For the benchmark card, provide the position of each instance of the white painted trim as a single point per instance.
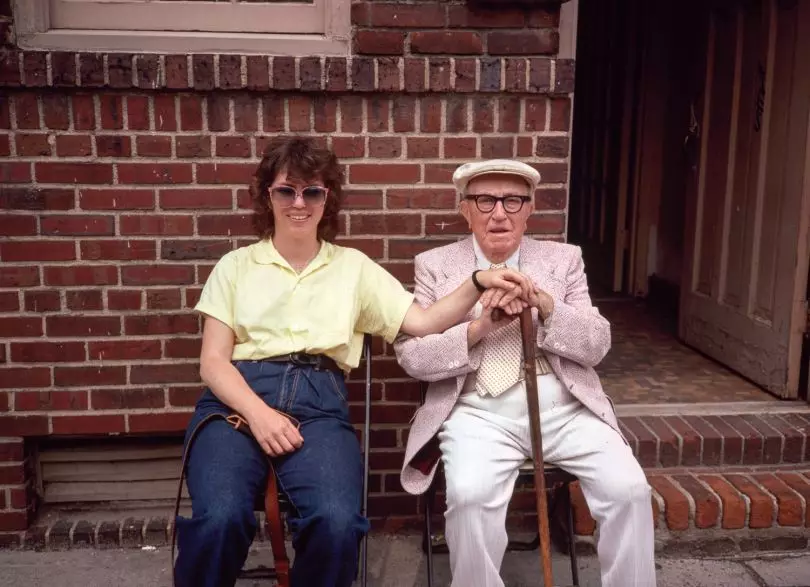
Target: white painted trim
(167, 42)
(569, 20)
(34, 31)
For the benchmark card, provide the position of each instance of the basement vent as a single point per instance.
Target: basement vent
(110, 470)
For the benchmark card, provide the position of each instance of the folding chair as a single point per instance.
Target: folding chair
(273, 508)
(433, 543)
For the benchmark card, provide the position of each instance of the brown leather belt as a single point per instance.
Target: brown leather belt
(318, 362)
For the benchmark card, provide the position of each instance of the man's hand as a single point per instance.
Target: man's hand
(541, 300)
(513, 283)
(274, 432)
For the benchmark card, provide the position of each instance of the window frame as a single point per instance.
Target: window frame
(32, 22)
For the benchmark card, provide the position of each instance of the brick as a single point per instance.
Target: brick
(81, 376)
(258, 73)
(113, 146)
(439, 70)
(165, 116)
(184, 396)
(42, 301)
(349, 147)
(153, 146)
(219, 114)
(63, 69)
(17, 225)
(239, 173)
(9, 301)
(19, 276)
(465, 16)
(790, 509)
(171, 373)
(69, 326)
(30, 198)
(445, 224)
(124, 299)
(47, 352)
(176, 72)
(147, 71)
(156, 225)
(76, 225)
(388, 174)
(13, 521)
(707, 504)
(431, 115)
(732, 440)
(137, 112)
(564, 76)
(84, 300)
(447, 42)
(27, 110)
(526, 42)
(515, 75)
(224, 225)
(157, 275)
(497, 147)
(557, 147)
(385, 147)
(508, 114)
(363, 74)
(15, 172)
(203, 72)
(106, 424)
(336, 74)
(154, 173)
(19, 327)
(74, 172)
(560, 114)
(91, 69)
(56, 111)
(415, 74)
(377, 42)
(648, 443)
(183, 348)
(385, 224)
(193, 147)
(761, 505)
(32, 401)
(23, 425)
(668, 442)
(112, 111)
(81, 275)
(800, 485)
(24, 250)
(127, 399)
(404, 113)
(284, 73)
(490, 80)
(439, 172)
(11, 474)
(309, 70)
(397, 15)
(119, 350)
(84, 112)
(753, 442)
(794, 438)
(245, 113)
(193, 199)
(116, 199)
(676, 510)
(11, 450)
(232, 146)
(357, 199)
(423, 147)
(33, 145)
(711, 441)
(191, 112)
(540, 75)
(388, 74)
(421, 198)
(74, 145)
(772, 440)
(161, 324)
(230, 71)
(300, 111)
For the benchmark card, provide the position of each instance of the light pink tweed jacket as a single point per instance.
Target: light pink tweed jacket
(576, 339)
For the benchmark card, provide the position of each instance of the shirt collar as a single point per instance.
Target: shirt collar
(265, 253)
(483, 263)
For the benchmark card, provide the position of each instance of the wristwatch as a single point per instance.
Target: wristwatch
(477, 283)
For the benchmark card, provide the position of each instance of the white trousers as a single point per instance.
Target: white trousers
(486, 439)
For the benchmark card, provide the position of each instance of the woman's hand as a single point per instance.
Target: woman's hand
(513, 283)
(274, 432)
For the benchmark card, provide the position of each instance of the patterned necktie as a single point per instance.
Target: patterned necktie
(501, 358)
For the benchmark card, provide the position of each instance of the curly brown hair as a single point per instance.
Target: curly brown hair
(303, 160)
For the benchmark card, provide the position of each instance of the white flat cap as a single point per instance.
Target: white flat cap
(465, 173)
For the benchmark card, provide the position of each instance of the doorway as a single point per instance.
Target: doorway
(689, 193)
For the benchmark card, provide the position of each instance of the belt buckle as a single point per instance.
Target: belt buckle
(302, 359)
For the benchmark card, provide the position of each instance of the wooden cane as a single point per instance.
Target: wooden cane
(529, 339)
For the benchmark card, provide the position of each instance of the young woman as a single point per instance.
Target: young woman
(284, 321)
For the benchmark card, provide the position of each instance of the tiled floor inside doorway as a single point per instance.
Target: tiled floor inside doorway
(647, 364)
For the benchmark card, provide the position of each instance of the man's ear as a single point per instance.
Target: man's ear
(464, 209)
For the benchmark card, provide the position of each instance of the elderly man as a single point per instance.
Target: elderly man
(475, 416)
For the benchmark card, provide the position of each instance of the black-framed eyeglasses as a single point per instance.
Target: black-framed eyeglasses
(486, 203)
(285, 195)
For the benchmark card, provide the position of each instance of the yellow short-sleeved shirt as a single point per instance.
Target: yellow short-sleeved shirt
(326, 309)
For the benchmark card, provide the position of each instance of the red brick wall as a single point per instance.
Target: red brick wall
(123, 180)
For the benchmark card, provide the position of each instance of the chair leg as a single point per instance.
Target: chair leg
(572, 547)
(427, 539)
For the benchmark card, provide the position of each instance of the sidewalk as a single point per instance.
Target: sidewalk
(394, 561)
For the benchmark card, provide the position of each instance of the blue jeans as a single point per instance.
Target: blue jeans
(323, 481)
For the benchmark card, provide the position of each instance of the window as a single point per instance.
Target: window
(303, 27)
